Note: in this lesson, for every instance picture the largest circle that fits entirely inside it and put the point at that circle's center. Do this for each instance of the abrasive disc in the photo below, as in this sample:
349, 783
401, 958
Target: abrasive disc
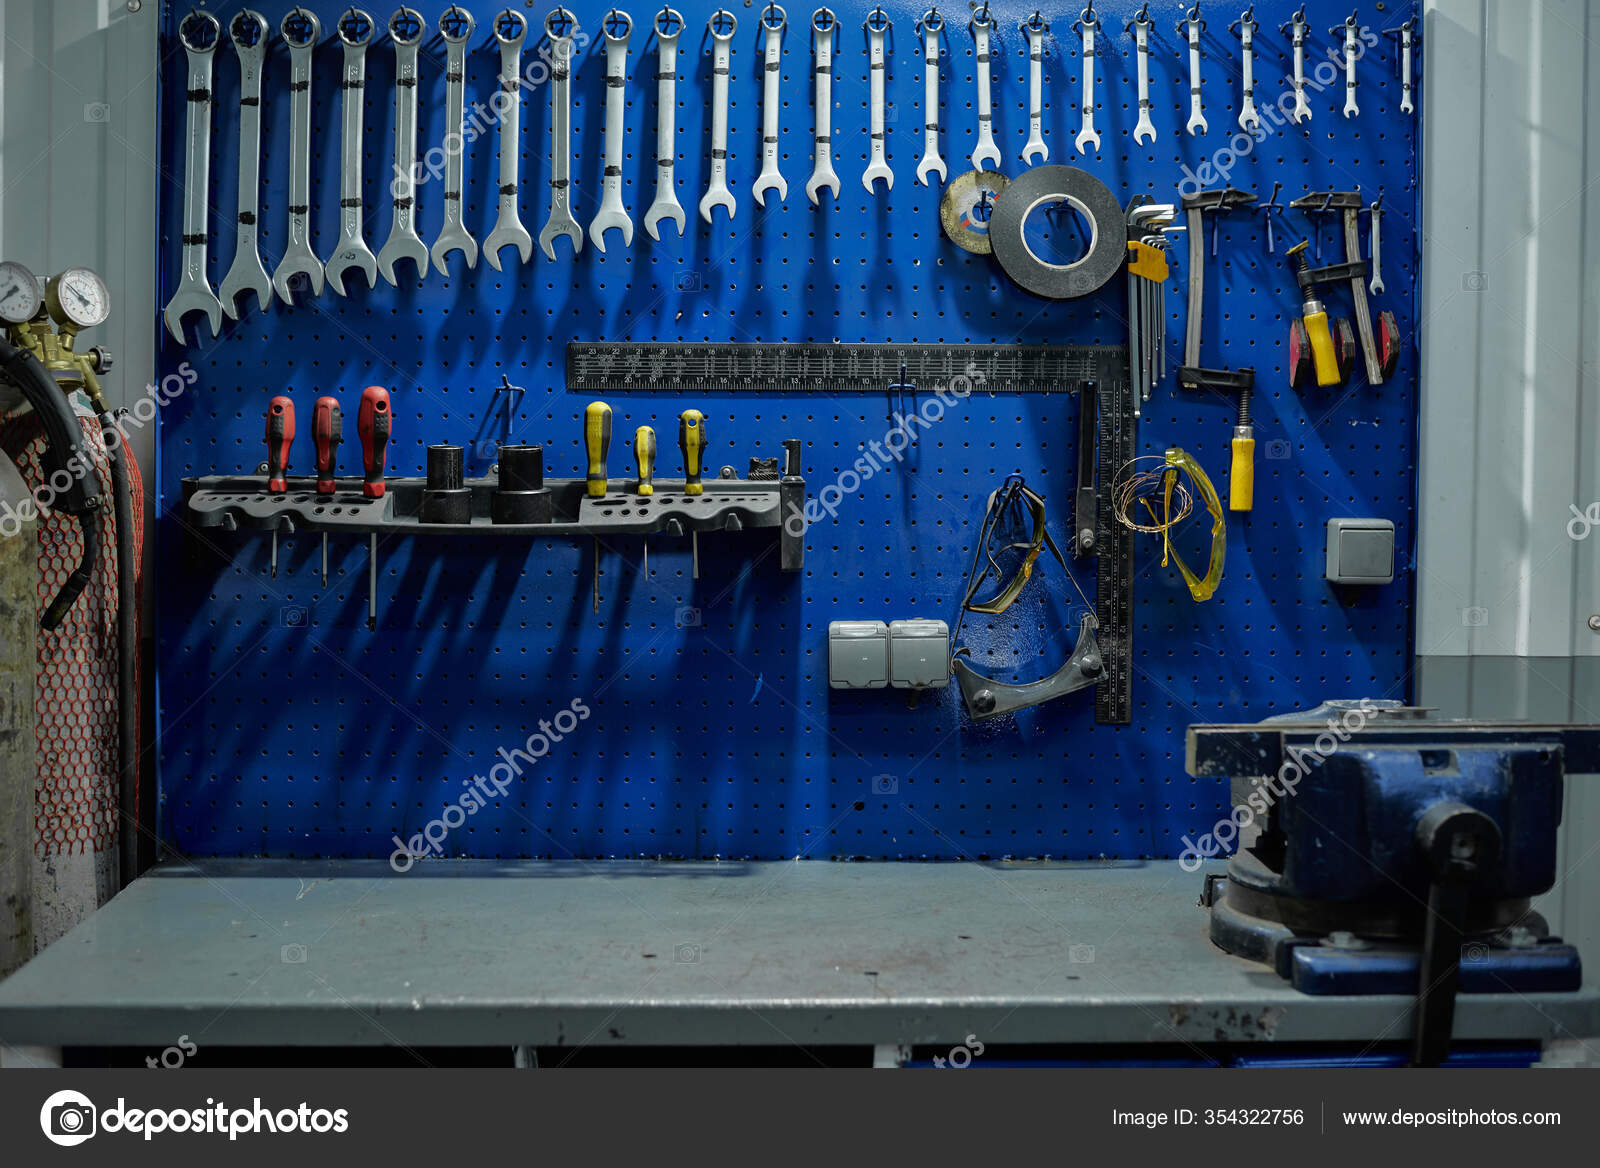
967, 228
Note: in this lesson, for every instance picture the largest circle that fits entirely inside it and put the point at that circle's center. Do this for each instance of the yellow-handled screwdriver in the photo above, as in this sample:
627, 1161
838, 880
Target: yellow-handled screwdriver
597, 444
692, 441
644, 461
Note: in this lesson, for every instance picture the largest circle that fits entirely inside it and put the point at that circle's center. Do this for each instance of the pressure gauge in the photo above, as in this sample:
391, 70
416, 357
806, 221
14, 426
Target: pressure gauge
78, 297
20, 294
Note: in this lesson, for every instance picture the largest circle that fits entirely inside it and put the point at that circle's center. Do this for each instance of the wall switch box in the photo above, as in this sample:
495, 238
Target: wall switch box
1360, 551
858, 654
919, 654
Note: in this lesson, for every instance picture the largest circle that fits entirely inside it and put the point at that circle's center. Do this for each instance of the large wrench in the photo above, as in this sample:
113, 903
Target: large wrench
1406, 105
1034, 28
773, 21
201, 34
823, 26
302, 30
717, 194
877, 25
1089, 23
1351, 30
982, 26
1249, 119
355, 34
669, 27
618, 27
1297, 36
1140, 26
405, 30
510, 30
560, 26
1195, 25
249, 31
932, 25
455, 26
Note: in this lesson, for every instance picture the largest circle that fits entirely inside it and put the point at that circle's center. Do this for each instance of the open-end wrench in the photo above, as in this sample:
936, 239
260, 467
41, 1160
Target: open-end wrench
773, 21
249, 31
201, 34
560, 26
1034, 29
618, 27
355, 34
985, 151
1191, 26
1297, 38
455, 26
1406, 105
1140, 26
510, 30
1375, 213
722, 25
1352, 31
302, 30
669, 27
823, 26
931, 24
1249, 119
405, 31
1088, 24
877, 25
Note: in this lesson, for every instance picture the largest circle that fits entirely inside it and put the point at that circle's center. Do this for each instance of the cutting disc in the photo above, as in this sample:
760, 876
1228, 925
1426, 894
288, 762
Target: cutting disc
965, 224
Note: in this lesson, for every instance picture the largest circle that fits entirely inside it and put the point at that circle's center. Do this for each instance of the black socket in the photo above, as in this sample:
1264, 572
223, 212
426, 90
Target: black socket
446, 498
521, 468
521, 496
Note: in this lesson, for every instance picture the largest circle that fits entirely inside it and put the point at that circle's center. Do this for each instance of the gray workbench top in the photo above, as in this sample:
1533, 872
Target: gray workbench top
500, 954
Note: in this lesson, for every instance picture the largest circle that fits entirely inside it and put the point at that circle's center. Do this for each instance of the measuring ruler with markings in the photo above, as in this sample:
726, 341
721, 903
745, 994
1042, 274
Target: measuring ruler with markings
1113, 696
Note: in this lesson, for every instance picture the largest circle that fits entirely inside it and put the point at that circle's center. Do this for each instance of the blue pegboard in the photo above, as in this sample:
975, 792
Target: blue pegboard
288, 729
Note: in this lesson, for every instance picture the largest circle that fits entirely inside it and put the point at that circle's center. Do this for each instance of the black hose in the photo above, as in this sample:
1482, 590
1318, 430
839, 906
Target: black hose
117, 457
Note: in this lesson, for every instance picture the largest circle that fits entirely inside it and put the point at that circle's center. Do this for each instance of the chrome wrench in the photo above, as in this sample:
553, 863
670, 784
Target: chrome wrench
1195, 25
1249, 119
201, 34
722, 25
1375, 212
669, 27
932, 24
1406, 105
1035, 28
302, 30
1140, 26
560, 26
1089, 24
823, 26
618, 27
773, 21
249, 31
982, 26
1297, 36
510, 30
877, 25
405, 30
455, 26
1351, 30
355, 34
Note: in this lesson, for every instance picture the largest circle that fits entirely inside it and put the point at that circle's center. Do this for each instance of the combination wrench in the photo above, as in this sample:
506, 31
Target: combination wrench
773, 21
931, 24
669, 27
877, 25
510, 30
823, 26
1088, 24
618, 27
1351, 31
249, 31
1195, 25
982, 26
1140, 27
1249, 119
355, 34
301, 30
1297, 38
722, 26
405, 31
1406, 105
560, 26
455, 26
1034, 29
201, 34
1375, 212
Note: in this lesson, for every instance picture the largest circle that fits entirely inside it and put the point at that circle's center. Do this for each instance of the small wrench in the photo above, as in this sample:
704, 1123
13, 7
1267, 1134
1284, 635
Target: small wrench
773, 21
1406, 105
1195, 25
1350, 28
669, 27
201, 34
982, 26
1249, 119
355, 34
1297, 35
1035, 27
722, 25
1089, 24
560, 26
510, 30
455, 26
1140, 26
405, 30
932, 24
302, 30
877, 25
249, 31
1375, 286
618, 27
823, 26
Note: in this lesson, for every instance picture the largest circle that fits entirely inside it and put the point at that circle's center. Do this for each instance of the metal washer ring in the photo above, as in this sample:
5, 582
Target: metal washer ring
1108, 238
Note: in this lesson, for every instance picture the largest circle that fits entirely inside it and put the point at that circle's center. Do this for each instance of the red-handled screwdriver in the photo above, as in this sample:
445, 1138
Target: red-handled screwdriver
280, 437
373, 423
327, 431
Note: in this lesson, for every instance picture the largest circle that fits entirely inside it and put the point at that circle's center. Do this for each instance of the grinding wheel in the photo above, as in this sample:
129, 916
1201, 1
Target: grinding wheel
957, 208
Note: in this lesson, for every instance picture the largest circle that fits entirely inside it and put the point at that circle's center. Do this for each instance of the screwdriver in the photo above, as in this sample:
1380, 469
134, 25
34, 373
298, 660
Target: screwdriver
373, 422
280, 436
692, 441
597, 444
327, 431
644, 458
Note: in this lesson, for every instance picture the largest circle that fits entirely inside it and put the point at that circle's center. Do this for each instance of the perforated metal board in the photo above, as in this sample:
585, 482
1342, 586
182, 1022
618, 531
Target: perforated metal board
290, 730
